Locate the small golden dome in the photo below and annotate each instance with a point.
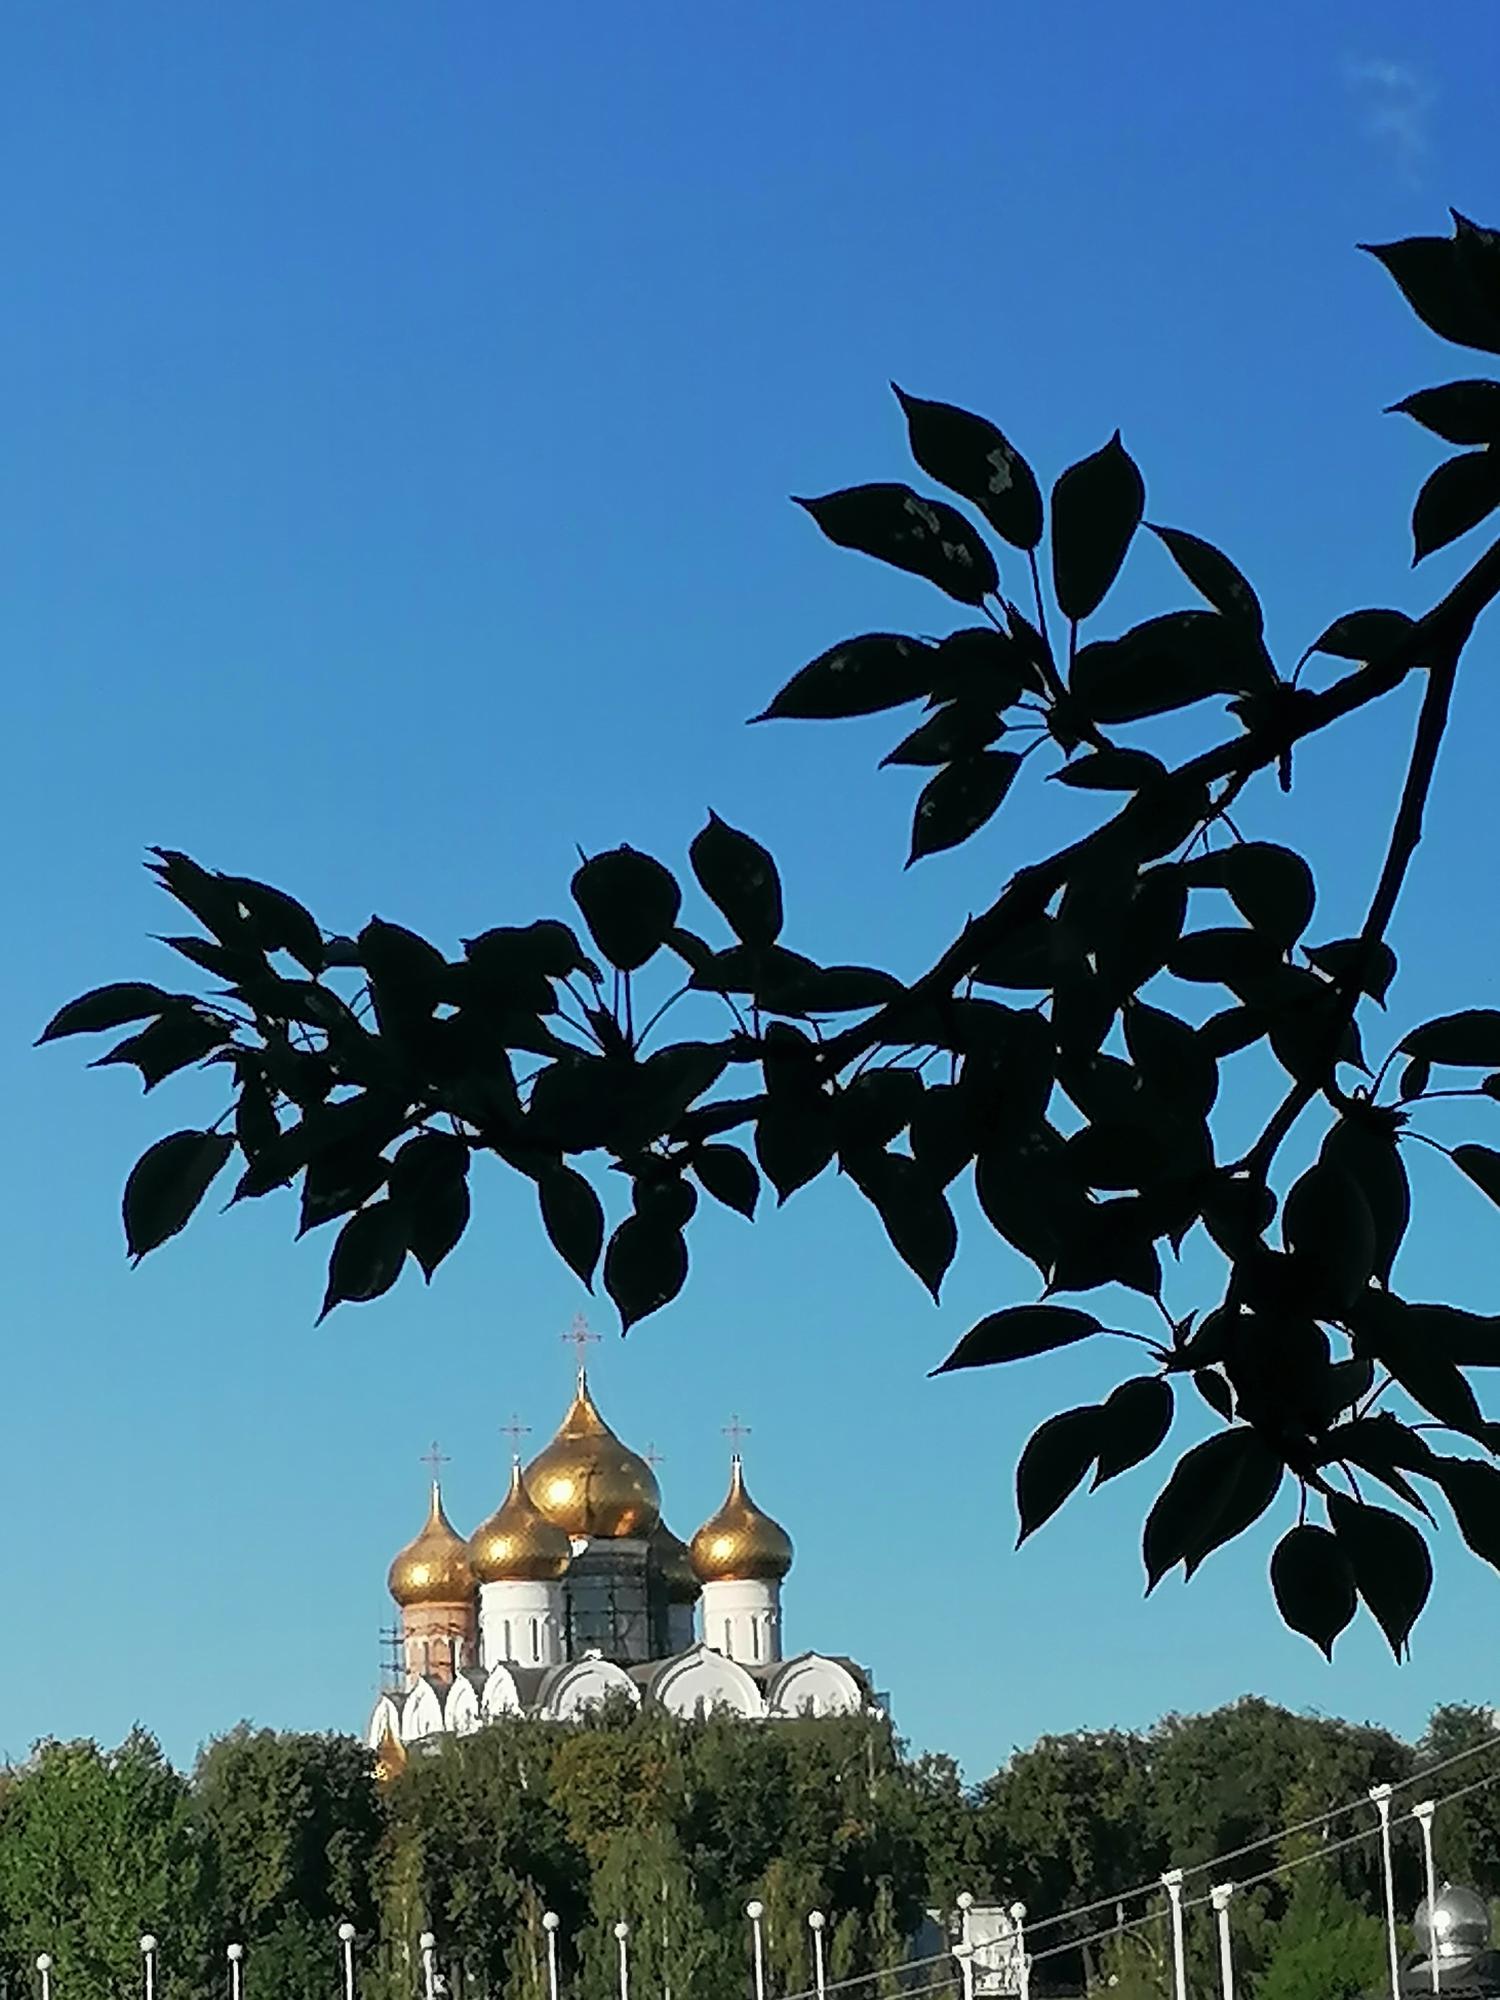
(390, 1755)
(434, 1569)
(740, 1542)
(673, 1562)
(587, 1482)
(518, 1542)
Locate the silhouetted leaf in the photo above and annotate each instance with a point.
(1454, 498)
(958, 729)
(739, 877)
(810, 989)
(108, 1007)
(1216, 1491)
(1461, 412)
(979, 664)
(915, 1214)
(339, 1180)
(1224, 956)
(1365, 1148)
(1482, 1165)
(278, 922)
(970, 457)
(927, 537)
(1391, 1565)
(1363, 635)
(958, 801)
(1057, 1456)
(1469, 1040)
(166, 1185)
(1096, 508)
(1361, 965)
(1439, 285)
(1163, 664)
(1314, 1585)
(1172, 1056)
(1015, 1332)
(729, 1176)
(1270, 886)
(874, 1106)
(437, 1214)
(1133, 1422)
(1212, 575)
(645, 1267)
(368, 1254)
(573, 1218)
(1112, 771)
(629, 903)
(179, 1037)
(1472, 1490)
(795, 1137)
(876, 671)
(1327, 1226)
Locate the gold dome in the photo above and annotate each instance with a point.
(740, 1542)
(673, 1562)
(518, 1542)
(587, 1482)
(434, 1569)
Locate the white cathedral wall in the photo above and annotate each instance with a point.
(742, 1618)
(703, 1679)
(522, 1623)
(814, 1685)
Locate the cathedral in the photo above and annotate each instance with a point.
(575, 1590)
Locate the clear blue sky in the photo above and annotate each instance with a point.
(400, 408)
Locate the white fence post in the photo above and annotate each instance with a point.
(235, 1953)
(427, 1945)
(1023, 1963)
(1423, 1814)
(622, 1939)
(755, 1911)
(148, 1965)
(346, 1944)
(1380, 1798)
(1220, 1896)
(1172, 1883)
(550, 1922)
(44, 1969)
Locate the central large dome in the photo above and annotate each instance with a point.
(588, 1482)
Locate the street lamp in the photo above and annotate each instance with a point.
(346, 1941)
(622, 1939)
(427, 1945)
(235, 1953)
(815, 1923)
(755, 1911)
(550, 1922)
(44, 1967)
(148, 1963)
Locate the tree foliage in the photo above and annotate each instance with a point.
(1066, 1050)
(673, 1826)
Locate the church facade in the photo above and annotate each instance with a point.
(575, 1591)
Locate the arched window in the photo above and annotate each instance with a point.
(508, 1652)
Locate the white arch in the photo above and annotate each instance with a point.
(501, 1695)
(384, 1720)
(568, 1690)
(703, 1679)
(461, 1715)
(422, 1712)
(812, 1684)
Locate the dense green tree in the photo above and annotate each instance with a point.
(1154, 947)
(96, 1849)
(1466, 1834)
(1325, 1948)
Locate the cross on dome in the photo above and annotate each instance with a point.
(435, 1458)
(580, 1338)
(736, 1432)
(515, 1430)
(653, 1457)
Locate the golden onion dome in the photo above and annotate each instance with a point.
(740, 1543)
(434, 1569)
(587, 1482)
(518, 1543)
(673, 1563)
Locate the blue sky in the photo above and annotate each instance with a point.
(402, 408)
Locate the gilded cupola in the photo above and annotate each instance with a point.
(434, 1569)
(673, 1562)
(590, 1484)
(518, 1543)
(740, 1543)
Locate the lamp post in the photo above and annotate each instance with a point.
(346, 1944)
(965, 1905)
(1220, 1896)
(235, 1953)
(815, 1922)
(622, 1939)
(963, 1951)
(427, 1945)
(755, 1911)
(148, 1965)
(1023, 1963)
(1172, 1883)
(1423, 1814)
(550, 1922)
(1380, 1798)
(44, 1970)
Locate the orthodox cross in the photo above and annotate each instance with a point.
(736, 1432)
(580, 1339)
(652, 1457)
(435, 1458)
(515, 1430)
